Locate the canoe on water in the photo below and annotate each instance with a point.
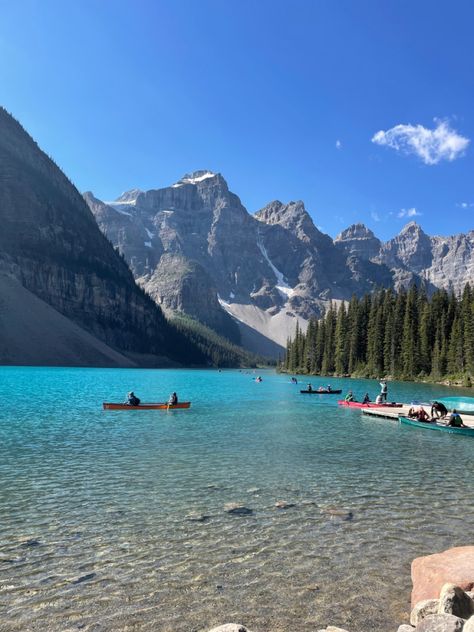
(325, 392)
(146, 406)
(436, 425)
(342, 402)
(463, 405)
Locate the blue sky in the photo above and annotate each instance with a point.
(285, 99)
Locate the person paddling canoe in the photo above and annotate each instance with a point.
(132, 399)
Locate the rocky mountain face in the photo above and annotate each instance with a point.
(50, 246)
(413, 256)
(194, 247)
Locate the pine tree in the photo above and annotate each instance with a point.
(341, 354)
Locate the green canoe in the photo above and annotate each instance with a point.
(433, 425)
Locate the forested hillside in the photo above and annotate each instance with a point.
(405, 335)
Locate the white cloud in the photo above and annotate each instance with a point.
(431, 145)
(465, 204)
(338, 144)
(409, 212)
(375, 216)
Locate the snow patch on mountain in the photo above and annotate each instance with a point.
(194, 178)
(282, 286)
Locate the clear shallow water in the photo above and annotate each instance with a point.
(95, 532)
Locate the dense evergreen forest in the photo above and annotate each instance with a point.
(405, 335)
(219, 351)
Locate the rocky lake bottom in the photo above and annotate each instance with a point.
(122, 520)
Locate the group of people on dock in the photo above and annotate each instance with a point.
(380, 399)
(438, 412)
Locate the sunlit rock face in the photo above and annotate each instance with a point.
(194, 248)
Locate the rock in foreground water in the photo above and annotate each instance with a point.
(423, 609)
(453, 600)
(441, 623)
(237, 509)
(429, 573)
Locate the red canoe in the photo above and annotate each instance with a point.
(342, 402)
(146, 406)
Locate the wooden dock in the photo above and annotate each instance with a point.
(392, 413)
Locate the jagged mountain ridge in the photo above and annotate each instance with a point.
(414, 256)
(195, 248)
(56, 265)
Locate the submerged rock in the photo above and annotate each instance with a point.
(423, 609)
(453, 600)
(195, 516)
(283, 504)
(337, 513)
(237, 509)
(83, 578)
(29, 544)
(440, 623)
(230, 627)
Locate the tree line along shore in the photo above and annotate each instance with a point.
(406, 335)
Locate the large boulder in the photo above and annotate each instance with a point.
(429, 573)
(453, 600)
(441, 623)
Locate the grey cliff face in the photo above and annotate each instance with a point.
(194, 248)
(50, 244)
(360, 241)
(197, 234)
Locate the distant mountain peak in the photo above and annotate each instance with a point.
(355, 231)
(412, 228)
(128, 197)
(275, 212)
(195, 177)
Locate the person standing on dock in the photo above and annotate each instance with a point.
(384, 391)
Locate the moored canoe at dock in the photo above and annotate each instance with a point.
(464, 405)
(324, 392)
(146, 406)
(436, 425)
(342, 402)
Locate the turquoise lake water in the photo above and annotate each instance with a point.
(99, 509)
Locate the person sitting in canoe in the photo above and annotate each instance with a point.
(438, 410)
(310, 388)
(132, 399)
(366, 399)
(349, 397)
(173, 400)
(455, 420)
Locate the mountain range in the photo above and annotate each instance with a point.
(194, 248)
